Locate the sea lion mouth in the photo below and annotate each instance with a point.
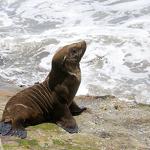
(83, 46)
(82, 50)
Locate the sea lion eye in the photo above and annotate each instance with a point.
(73, 51)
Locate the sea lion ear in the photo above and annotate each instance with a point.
(64, 59)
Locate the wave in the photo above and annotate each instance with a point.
(117, 60)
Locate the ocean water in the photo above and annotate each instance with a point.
(117, 32)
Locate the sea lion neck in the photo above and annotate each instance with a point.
(54, 78)
(57, 76)
(66, 64)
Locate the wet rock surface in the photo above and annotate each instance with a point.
(107, 124)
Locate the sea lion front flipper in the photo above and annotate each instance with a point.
(75, 109)
(66, 121)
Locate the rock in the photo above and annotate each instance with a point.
(108, 123)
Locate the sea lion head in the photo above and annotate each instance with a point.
(67, 58)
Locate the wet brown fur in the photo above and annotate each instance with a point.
(51, 100)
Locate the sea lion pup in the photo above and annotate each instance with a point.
(51, 100)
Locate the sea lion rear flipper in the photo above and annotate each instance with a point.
(67, 122)
(21, 133)
(18, 132)
(75, 109)
(6, 129)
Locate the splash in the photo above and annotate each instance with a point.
(117, 60)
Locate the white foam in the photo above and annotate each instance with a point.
(5, 21)
(117, 34)
(46, 61)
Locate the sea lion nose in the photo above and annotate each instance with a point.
(83, 47)
(83, 44)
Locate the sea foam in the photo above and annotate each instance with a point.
(117, 59)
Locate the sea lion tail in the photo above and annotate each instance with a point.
(7, 130)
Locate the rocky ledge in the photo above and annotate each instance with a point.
(108, 124)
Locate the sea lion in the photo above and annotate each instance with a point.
(51, 100)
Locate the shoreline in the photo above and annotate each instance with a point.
(9, 89)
